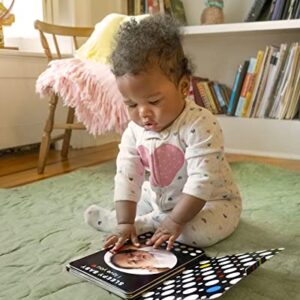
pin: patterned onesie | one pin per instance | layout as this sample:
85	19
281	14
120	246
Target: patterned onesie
187	157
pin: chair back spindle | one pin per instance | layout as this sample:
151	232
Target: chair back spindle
47	31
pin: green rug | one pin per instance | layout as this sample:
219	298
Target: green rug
42	228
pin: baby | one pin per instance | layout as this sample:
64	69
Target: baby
190	194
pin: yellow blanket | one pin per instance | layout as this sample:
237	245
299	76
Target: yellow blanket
99	46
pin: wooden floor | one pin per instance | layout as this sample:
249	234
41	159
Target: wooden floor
19	169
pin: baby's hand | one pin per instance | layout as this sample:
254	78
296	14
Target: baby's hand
124	232
169	231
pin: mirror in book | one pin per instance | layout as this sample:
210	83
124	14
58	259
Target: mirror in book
144	260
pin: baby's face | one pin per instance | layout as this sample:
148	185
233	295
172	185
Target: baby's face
134	260
153	100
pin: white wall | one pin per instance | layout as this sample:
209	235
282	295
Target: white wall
22	113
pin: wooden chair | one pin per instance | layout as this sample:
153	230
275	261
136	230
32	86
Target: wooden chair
46	31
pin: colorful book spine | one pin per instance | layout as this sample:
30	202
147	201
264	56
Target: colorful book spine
271	10
212	97
284	50
130	7
249	94
278	9
245	87
295	97
220	98
263	79
226	92
178	11
204	97
197	96
274	63
282	83
289	85
237	86
291	9
285	12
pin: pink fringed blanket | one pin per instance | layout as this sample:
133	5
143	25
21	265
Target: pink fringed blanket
91	89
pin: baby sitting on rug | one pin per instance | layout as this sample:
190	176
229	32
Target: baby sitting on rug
191	195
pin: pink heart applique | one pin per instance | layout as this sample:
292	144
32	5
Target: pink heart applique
164	163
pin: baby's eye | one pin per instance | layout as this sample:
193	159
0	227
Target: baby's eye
155	102
132	105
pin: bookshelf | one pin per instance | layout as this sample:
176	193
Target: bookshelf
216	51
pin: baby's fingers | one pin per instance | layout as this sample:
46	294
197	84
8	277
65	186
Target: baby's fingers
154	238
110	241
135	240
160	240
171	242
121	241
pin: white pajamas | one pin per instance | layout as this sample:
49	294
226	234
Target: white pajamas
186	157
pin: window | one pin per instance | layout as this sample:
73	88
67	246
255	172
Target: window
21	33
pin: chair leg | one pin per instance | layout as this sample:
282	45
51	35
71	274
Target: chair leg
67	134
46	138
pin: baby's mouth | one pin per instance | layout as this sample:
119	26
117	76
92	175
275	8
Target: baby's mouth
149	125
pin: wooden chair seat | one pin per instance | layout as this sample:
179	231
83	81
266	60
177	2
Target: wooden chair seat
48	31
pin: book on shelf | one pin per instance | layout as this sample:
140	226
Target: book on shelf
280	88
268	97
130	7
204	96
209	94
178	11
237	86
270	10
273	71
284	51
297	11
197	96
285	12
212	101
140	273
214	96
226	91
249	95
278	10
245	87
295	97
220	96
154	6
270	85
266	10
138	7
262	80
256	10
291	9
289	84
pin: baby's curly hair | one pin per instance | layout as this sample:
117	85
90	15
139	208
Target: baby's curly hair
155	39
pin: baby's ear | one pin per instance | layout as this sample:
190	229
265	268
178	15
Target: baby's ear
184	85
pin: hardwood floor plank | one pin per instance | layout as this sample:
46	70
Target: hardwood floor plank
25	161
81	159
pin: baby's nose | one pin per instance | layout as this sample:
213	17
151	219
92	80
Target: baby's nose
145	112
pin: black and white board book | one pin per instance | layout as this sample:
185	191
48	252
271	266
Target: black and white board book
185	272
